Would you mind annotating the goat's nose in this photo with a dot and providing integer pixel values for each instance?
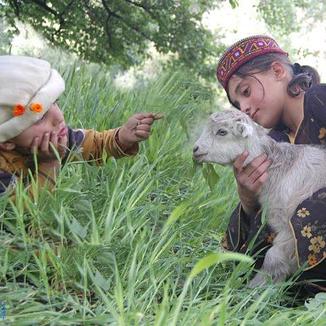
(195, 149)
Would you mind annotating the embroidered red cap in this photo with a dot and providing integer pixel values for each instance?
(241, 52)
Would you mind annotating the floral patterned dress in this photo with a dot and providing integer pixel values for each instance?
(309, 219)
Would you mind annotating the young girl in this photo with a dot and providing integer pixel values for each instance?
(287, 98)
(31, 122)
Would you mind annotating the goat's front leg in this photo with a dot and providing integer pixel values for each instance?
(278, 264)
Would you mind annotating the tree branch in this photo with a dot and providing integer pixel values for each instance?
(146, 9)
(66, 8)
(62, 14)
(43, 5)
(15, 5)
(93, 17)
(90, 13)
(132, 27)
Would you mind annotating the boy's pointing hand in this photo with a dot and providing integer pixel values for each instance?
(137, 128)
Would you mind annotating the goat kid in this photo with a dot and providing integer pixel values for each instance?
(296, 172)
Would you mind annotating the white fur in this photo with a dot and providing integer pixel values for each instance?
(296, 172)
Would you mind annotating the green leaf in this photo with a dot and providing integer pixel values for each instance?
(210, 175)
(234, 3)
(216, 258)
(78, 229)
(195, 166)
(317, 303)
(184, 127)
(177, 213)
(101, 281)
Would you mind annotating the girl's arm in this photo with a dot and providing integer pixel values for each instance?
(245, 219)
(250, 179)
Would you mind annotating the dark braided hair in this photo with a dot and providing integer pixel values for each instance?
(303, 76)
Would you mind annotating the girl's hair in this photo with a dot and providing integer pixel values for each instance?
(303, 77)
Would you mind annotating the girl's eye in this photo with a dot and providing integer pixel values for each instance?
(221, 132)
(246, 91)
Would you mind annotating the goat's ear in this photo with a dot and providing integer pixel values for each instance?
(243, 129)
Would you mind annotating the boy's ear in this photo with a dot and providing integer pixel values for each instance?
(278, 70)
(7, 146)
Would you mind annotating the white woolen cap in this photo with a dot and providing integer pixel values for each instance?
(28, 88)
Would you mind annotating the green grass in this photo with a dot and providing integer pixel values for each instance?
(136, 241)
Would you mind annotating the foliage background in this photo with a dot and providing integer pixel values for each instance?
(137, 241)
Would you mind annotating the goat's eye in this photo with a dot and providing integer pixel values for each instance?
(221, 132)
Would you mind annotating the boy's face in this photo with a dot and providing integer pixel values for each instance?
(52, 122)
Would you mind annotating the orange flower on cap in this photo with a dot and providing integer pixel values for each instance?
(18, 109)
(36, 107)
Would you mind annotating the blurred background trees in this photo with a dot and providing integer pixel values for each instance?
(118, 242)
(120, 32)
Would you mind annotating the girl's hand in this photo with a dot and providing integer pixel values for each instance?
(137, 128)
(43, 147)
(250, 180)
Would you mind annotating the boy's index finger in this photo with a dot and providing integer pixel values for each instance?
(158, 116)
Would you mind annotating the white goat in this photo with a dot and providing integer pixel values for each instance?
(296, 172)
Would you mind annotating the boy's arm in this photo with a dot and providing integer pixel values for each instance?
(95, 144)
(47, 173)
(7, 182)
(119, 142)
(45, 178)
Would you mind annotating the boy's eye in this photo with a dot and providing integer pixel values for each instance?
(38, 121)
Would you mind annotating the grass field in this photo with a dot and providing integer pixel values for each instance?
(137, 240)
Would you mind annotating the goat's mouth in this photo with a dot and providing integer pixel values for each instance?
(199, 157)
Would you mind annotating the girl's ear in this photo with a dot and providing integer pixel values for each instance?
(278, 70)
(7, 146)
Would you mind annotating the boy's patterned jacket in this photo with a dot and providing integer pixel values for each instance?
(88, 145)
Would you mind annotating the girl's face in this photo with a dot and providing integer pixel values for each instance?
(261, 96)
(52, 121)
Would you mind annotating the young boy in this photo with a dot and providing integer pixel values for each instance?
(31, 122)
